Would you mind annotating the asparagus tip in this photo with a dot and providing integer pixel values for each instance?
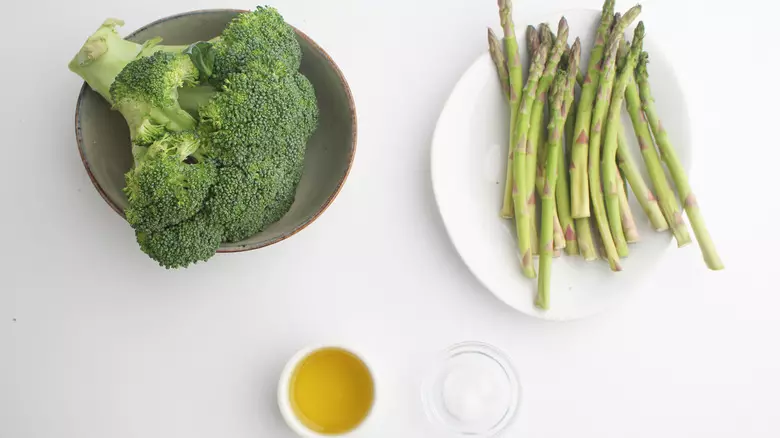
(623, 49)
(632, 13)
(639, 32)
(574, 54)
(563, 24)
(532, 39)
(545, 34)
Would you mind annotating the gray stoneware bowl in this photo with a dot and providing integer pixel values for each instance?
(104, 141)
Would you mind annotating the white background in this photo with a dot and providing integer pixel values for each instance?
(96, 341)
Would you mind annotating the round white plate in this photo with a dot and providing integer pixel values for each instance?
(468, 164)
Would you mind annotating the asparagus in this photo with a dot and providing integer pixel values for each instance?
(497, 54)
(580, 205)
(534, 233)
(594, 152)
(627, 217)
(532, 40)
(555, 131)
(537, 114)
(562, 196)
(522, 218)
(559, 240)
(558, 236)
(515, 71)
(535, 134)
(608, 167)
(669, 155)
(580, 80)
(666, 197)
(642, 192)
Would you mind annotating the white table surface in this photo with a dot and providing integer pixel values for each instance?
(96, 341)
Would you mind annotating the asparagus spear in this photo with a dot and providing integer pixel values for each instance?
(669, 155)
(608, 167)
(562, 195)
(497, 54)
(642, 192)
(535, 135)
(666, 198)
(537, 114)
(558, 236)
(515, 87)
(594, 152)
(627, 217)
(563, 90)
(580, 204)
(522, 218)
(555, 132)
(580, 197)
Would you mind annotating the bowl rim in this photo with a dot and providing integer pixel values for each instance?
(249, 246)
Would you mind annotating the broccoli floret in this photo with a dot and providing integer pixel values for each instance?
(163, 188)
(146, 93)
(251, 118)
(178, 246)
(259, 40)
(246, 200)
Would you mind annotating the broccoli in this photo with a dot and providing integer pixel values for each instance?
(163, 189)
(218, 131)
(247, 200)
(141, 81)
(260, 40)
(177, 246)
(251, 117)
(146, 93)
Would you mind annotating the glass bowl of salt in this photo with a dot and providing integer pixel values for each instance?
(472, 390)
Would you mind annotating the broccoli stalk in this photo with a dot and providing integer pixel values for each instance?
(141, 81)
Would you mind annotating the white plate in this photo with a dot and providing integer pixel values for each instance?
(468, 166)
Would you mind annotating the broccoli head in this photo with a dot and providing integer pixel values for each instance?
(178, 246)
(246, 200)
(259, 40)
(252, 117)
(164, 188)
(146, 93)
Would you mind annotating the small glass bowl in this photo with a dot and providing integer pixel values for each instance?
(488, 397)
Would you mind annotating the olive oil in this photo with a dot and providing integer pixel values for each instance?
(331, 391)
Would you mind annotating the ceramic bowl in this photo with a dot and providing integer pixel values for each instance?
(365, 428)
(104, 141)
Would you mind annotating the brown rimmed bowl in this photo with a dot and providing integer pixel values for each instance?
(104, 140)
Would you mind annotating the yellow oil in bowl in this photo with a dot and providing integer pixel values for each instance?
(331, 391)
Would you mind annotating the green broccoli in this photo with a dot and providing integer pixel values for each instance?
(146, 93)
(251, 117)
(260, 40)
(178, 246)
(165, 189)
(247, 200)
(141, 81)
(218, 131)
